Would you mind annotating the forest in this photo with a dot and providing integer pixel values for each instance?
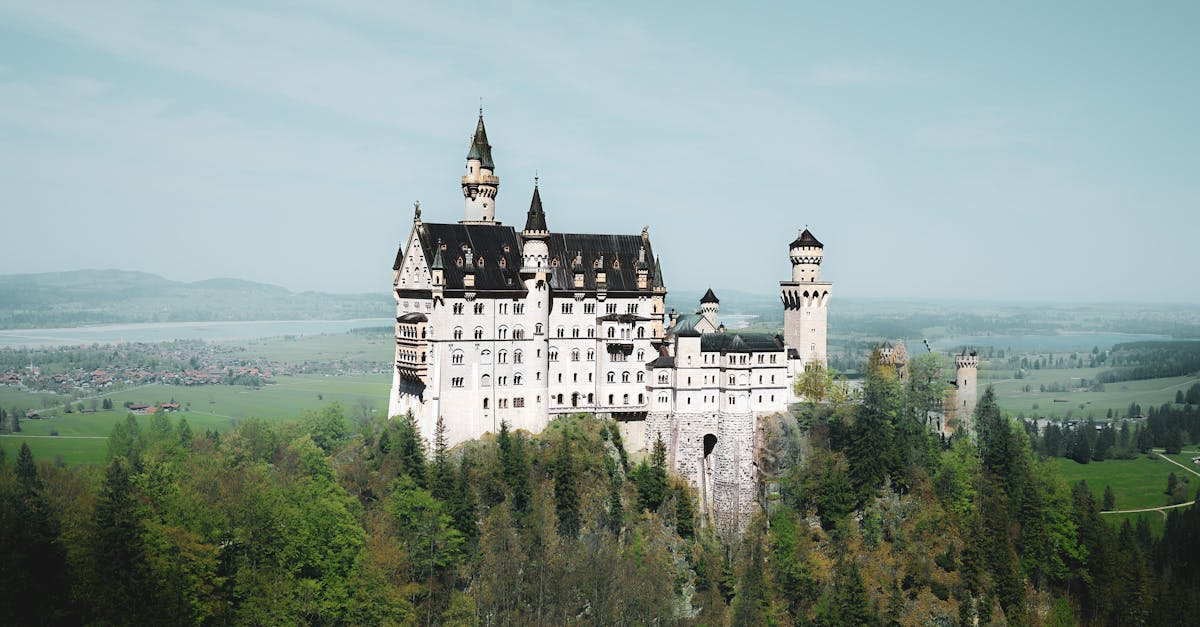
(328, 520)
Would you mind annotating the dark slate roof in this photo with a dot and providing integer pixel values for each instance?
(625, 318)
(620, 254)
(662, 361)
(438, 263)
(709, 297)
(658, 278)
(805, 239)
(480, 148)
(487, 242)
(536, 219)
(740, 342)
(411, 318)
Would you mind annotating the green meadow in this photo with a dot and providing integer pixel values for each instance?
(1136, 483)
(1011, 394)
(80, 437)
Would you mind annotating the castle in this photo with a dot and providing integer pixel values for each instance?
(496, 324)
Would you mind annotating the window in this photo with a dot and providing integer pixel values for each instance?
(517, 379)
(610, 399)
(485, 402)
(591, 332)
(772, 359)
(519, 308)
(610, 308)
(485, 357)
(589, 308)
(772, 378)
(625, 399)
(502, 333)
(458, 333)
(641, 399)
(561, 332)
(458, 308)
(517, 357)
(478, 308)
(479, 333)
(502, 381)
(553, 354)
(612, 332)
(662, 378)
(641, 377)
(612, 377)
(456, 357)
(560, 377)
(537, 329)
(485, 380)
(456, 382)
(641, 332)
(503, 307)
(567, 307)
(591, 355)
(502, 357)
(631, 308)
(519, 401)
(502, 403)
(641, 355)
(574, 331)
(575, 354)
(518, 333)
(625, 377)
(559, 399)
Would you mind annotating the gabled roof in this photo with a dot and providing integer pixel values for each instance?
(536, 219)
(709, 297)
(480, 148)
(617, 254)
(489, 244)
(806, 238)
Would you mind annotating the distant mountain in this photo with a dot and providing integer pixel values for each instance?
(84, 297)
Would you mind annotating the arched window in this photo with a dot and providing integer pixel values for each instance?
(624, 377)
(559, 399)
(485, 380)
(641, 355)
(502, 357)
(625, 399)
(456, 357)
(612, 332)
(485, 402)
(517, 357)
(612, 376)
(537, 329)
(575, 354)
(485, 357)
(502, 333)
(641, 377)
(517, 379)
(458, 333)
(561, 332)
(591, 355)
(590, 399)
(641, 399)
(610, 399)
(553, 354)
(641, 332)
(574, 331)
(518, 332)
(591, 332)
(662, 378)
(479, 333)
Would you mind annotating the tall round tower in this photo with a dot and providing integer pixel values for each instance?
(805, 304)
(966, 366)
(480, 183)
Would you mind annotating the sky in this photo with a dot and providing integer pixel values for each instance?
(1017, 152)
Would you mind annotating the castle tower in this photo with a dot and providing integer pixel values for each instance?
(805, 301)
(535, 250)
(966, 367)
(709, 306)
(480, 183)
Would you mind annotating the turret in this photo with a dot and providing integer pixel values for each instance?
(535, 250)
(480, 183)
(966, 366)
(806, 253)
(642, 269)
(709, 306)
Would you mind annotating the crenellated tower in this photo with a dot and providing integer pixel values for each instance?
(480, 183)
(966, 374)
(710, 305)
(535, 249)
(805, 304)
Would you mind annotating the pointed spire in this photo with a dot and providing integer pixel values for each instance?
(438, 263)
(806, 238)
(480, 148)
(658, 277)
(709, 297)
(536, 219)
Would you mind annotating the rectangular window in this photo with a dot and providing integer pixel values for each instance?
(610, 308)
(519, 401)
(567, 307)
(519, 308)
(589, 308)
(503, 308)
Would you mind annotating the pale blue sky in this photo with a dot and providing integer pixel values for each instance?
(1000, 151)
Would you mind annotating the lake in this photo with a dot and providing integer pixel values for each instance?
(1072, 341)
(168, 331)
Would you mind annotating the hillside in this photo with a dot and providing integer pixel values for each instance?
(84, 297)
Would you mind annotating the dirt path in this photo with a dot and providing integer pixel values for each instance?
(1159, 452)
(1148, 509)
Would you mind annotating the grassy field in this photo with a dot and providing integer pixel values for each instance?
(81, 436)
(1137, 483)
(1116, 396)
(376, 347)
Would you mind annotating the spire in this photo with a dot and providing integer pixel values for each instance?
(437, 264)
(658, 277)
(806, 238)
(480, 148)
(536, 219)
(709, 297)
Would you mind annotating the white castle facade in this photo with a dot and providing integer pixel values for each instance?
(499, 325)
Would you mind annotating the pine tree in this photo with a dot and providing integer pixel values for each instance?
(120, 586)
(566, 490)
(514, 469)
(410, 449)
(1110, 499)
(442, 479)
